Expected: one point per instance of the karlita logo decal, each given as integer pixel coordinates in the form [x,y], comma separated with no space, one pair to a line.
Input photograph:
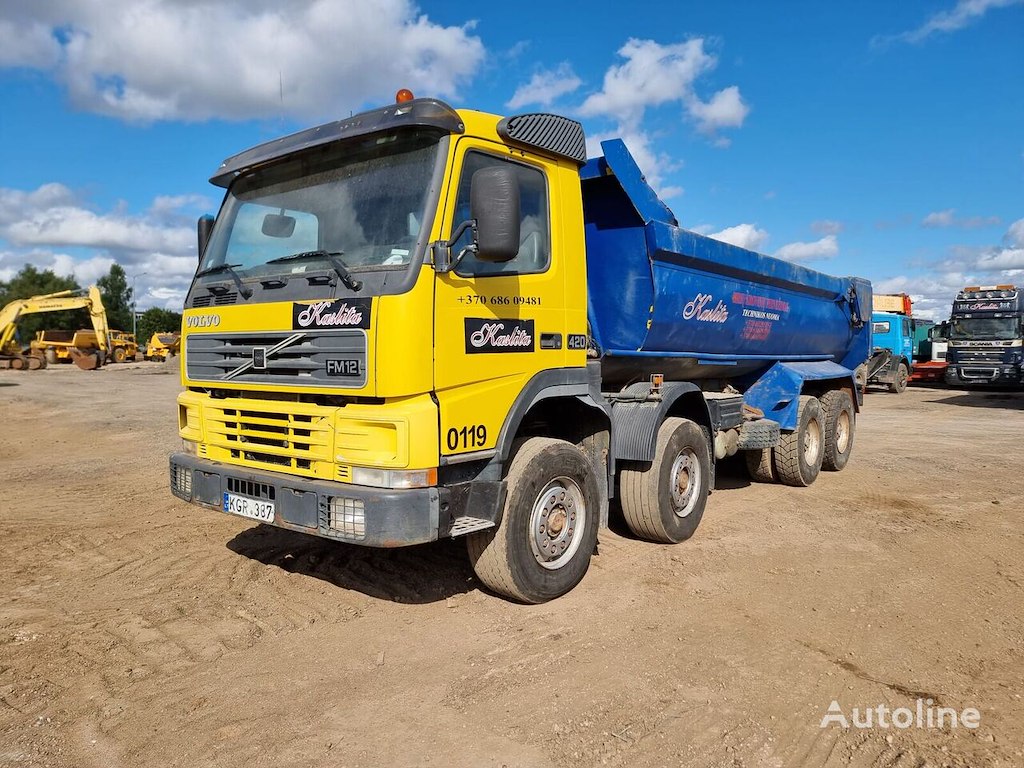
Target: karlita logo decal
[497,335]
[340,313]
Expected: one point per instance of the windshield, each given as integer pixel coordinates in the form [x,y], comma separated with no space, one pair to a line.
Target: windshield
[366,200]
[985,328]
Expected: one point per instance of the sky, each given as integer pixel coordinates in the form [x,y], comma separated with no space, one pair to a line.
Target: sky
[878,139]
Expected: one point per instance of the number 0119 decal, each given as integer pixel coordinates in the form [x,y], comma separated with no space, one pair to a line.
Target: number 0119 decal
[472,436]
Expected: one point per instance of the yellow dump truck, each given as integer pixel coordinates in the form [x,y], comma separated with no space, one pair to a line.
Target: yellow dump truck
[387,342]
[56,346]
[162,346]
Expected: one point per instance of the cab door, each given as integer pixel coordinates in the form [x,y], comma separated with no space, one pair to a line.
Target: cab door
[496,325]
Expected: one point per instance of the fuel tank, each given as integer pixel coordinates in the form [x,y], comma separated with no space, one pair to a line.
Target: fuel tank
[663,299]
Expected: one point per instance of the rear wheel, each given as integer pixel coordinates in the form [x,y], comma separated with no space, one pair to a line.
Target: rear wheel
[902,377]
[798,456]
[840,424]
[664,501]
[51,356]
[759,465]
[541,548]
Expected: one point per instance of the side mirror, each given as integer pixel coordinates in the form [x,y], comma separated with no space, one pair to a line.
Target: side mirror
[494,203]
[203,229]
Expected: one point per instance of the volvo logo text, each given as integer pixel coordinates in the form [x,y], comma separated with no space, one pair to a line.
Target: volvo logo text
[202,321]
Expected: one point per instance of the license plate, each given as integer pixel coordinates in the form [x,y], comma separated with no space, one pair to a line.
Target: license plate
[257,509]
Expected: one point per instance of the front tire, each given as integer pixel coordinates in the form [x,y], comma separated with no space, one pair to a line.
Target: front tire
[840,425]
[799,454]
[664,501]
[899,386]
[541,548]
[120,355]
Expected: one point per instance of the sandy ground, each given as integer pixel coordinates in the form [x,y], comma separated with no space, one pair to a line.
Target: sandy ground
[136,630]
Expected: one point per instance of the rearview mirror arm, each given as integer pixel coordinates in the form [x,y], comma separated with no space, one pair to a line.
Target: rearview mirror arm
[442,251]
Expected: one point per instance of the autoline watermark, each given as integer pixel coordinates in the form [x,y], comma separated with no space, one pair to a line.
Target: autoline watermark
[924,714]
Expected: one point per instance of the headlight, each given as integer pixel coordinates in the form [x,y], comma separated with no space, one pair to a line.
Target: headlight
[394,478]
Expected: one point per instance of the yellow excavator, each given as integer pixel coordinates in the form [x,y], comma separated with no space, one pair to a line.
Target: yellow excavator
[11,355]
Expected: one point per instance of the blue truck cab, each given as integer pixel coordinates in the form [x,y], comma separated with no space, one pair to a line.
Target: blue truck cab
[893,333]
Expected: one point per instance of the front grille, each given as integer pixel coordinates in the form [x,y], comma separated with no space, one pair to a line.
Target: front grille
[979,373]
[994,356]
[334,358]
[277,435]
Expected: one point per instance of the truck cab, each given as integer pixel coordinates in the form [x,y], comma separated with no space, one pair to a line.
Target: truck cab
[893,335]
[986,336]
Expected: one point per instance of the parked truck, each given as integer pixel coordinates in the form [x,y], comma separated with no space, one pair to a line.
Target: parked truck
[58,346]
[893,351]
[931,365]
[163,346]
[419,323]
[986,337]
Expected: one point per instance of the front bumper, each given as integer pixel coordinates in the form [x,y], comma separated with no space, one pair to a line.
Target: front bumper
[371,517]
[995,375]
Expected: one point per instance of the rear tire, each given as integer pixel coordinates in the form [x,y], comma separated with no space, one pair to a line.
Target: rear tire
[51,356]
[541,548]
[899,386]
[760,466]
[840,426]
[665,500]
[799,454]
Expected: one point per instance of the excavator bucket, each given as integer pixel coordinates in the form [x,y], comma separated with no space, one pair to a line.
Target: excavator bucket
[87,360]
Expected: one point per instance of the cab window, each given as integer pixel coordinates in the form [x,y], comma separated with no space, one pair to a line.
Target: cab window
[534,238]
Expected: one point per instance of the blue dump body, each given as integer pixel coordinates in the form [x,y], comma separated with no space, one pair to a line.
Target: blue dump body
[666,300]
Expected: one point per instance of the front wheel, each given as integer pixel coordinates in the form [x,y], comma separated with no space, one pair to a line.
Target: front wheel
[899,386]
[664,501]
[541,548]
[120,355]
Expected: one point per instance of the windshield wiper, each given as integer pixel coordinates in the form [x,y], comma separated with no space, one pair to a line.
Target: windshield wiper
[229,268]
[334,257]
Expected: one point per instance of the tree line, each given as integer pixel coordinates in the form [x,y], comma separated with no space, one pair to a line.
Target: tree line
[117,299]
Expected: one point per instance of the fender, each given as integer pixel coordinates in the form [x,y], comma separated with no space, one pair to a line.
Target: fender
[635,424]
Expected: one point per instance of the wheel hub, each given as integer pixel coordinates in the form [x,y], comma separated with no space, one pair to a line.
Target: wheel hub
[684,482]
[556,523]
[812,443]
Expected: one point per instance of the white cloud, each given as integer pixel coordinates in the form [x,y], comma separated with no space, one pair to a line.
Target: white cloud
[155,246]
[948,218]
[825,248]
[28,44]
[726,109]
[933,293]
[961,15]
[827,227]
[545,87]
[237,59]
[654,75]
[744,235]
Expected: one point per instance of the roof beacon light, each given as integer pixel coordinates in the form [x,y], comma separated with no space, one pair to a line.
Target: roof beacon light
[404,95]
